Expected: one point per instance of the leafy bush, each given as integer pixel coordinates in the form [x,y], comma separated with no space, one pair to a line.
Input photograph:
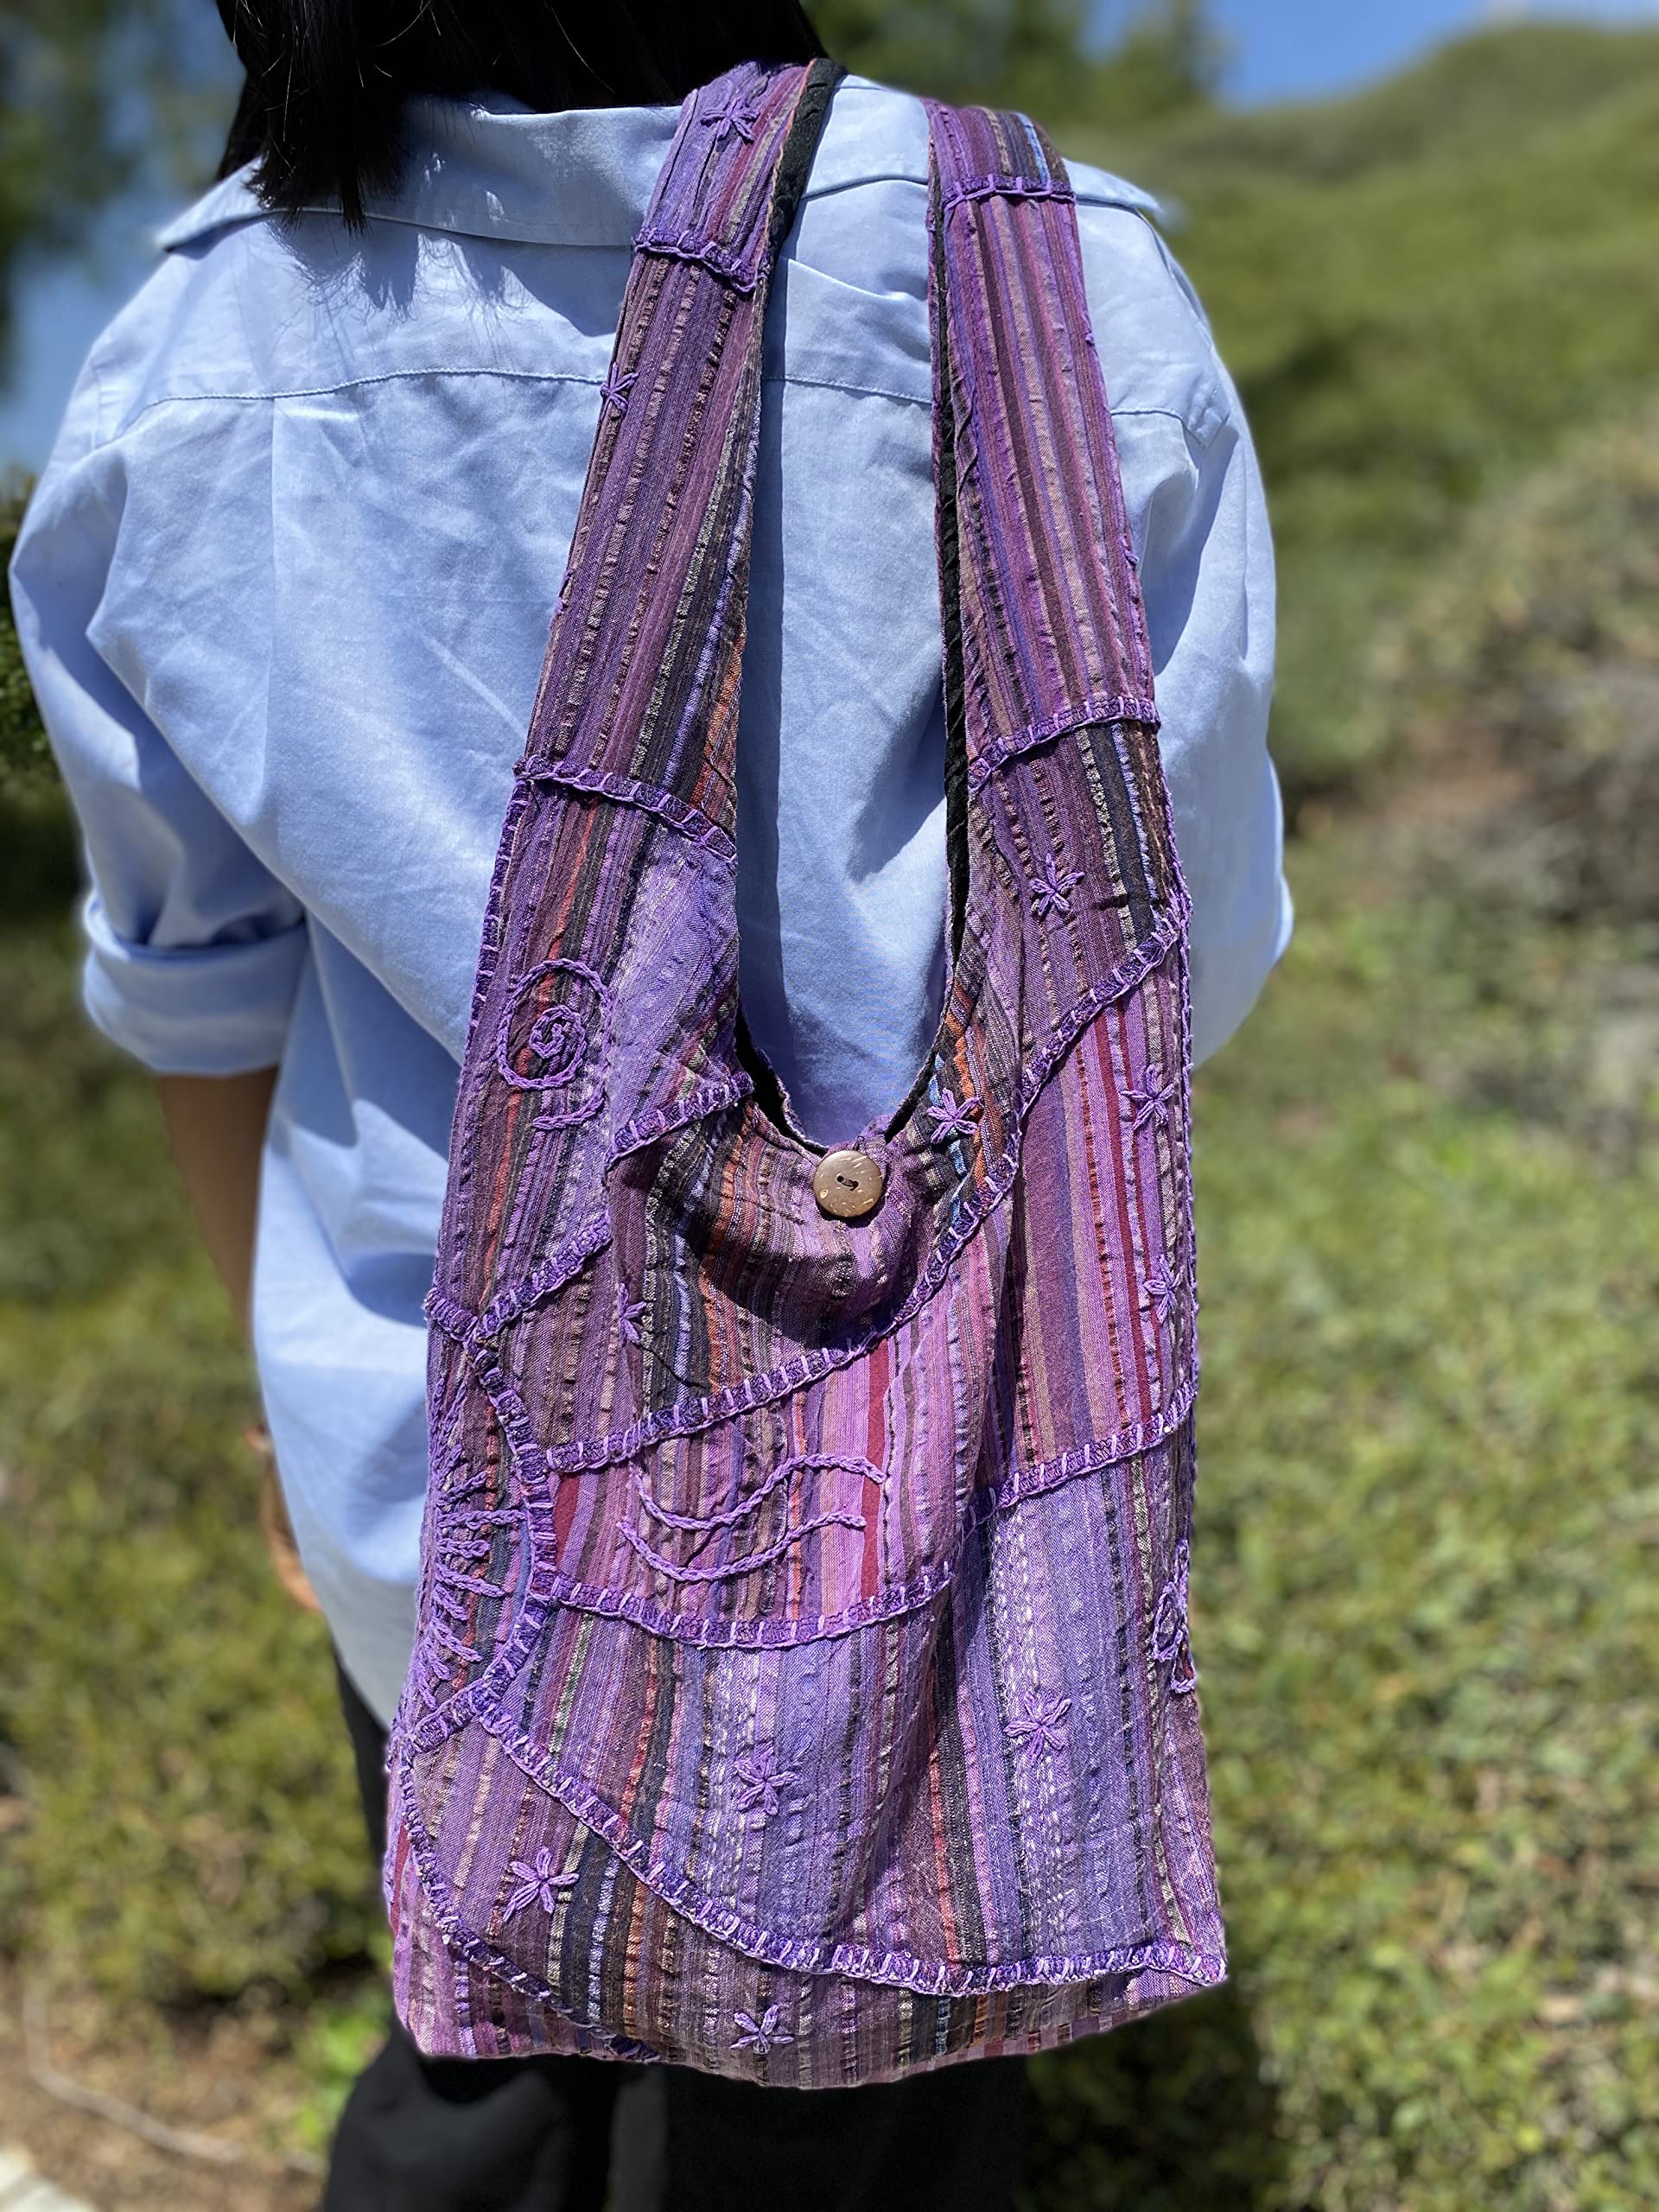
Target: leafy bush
[191,1826]
[1525,682]
[24,757]
[1412,333]
[1471,100]
[36,833]
[1037,55]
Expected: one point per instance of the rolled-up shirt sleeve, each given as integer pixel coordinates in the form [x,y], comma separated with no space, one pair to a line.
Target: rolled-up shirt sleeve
[1199,520]
[194,949]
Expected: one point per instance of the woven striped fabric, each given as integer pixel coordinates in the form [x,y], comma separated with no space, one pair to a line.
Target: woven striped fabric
[803,1689]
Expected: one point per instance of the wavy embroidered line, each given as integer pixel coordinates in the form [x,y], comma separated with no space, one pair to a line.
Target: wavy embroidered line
[688,1415]
[705,1524]
[747,1564]
[548,1586]
[812,1954]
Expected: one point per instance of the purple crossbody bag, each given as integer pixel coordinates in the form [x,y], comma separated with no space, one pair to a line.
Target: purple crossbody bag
[803,1689]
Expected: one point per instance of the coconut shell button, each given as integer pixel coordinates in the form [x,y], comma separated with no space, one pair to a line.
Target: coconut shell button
[847,1184]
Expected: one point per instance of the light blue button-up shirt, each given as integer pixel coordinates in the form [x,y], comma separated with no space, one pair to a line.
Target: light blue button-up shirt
[284,591]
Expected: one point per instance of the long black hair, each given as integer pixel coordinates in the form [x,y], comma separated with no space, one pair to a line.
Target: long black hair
[326,77]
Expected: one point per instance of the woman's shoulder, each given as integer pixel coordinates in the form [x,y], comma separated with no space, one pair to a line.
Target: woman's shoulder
[212,320]
[876,131]
[242,307]
[1154,341]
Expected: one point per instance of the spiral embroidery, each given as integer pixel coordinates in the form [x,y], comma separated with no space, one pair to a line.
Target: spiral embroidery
[561,1051]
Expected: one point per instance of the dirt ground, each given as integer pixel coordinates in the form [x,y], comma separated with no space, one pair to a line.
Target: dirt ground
[221,2078]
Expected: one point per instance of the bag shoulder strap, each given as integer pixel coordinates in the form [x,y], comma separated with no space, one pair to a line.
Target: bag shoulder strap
[734,173]
[1052,629]
[636,696]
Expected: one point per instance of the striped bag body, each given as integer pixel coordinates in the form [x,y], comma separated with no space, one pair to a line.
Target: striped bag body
[802,1690]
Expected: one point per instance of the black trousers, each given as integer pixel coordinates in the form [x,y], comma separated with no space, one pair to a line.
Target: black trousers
[591,2135]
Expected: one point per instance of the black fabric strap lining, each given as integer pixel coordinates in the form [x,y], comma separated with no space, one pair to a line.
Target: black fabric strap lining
[795,162]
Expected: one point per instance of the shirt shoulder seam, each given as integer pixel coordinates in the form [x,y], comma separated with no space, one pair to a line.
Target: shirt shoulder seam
[861,391]
[260,398]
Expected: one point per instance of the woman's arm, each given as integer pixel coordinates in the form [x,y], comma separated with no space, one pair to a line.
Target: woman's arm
[217,1127]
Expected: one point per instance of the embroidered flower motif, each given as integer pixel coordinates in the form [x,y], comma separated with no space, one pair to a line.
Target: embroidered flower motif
[953,1118]
[760,2035]
[1053,888]
[538,1884]
[1151,1098]
[1169,1638]
[630,1312]
[738,113]
[1163,1290]
[1041,1726]
[614,392]
[762,1783]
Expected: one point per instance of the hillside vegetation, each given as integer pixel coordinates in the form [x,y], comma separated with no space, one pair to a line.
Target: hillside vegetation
[1425,1609]
[1422,292]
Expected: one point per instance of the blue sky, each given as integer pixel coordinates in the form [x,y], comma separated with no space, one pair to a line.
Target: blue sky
[1289,49]
[1283,49]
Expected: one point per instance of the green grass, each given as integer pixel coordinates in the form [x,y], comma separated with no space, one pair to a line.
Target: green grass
[1424,1606]
[1426,1615]
[194,1830]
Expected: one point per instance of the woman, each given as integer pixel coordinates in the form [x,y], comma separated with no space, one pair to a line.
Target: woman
[284,592]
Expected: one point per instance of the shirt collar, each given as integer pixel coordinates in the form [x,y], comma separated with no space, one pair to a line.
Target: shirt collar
[492,168]
[489,166]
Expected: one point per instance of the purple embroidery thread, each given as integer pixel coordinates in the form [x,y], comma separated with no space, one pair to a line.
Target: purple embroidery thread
[734,112]
[1040,1725]
[560,1038]
[1169,1639]
[952,1118]
[630,1312]
[538,1884]
[1053,889]
[1150,1097]
[760,1785]
[760,2035]
[1164,1291]
[614,392]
